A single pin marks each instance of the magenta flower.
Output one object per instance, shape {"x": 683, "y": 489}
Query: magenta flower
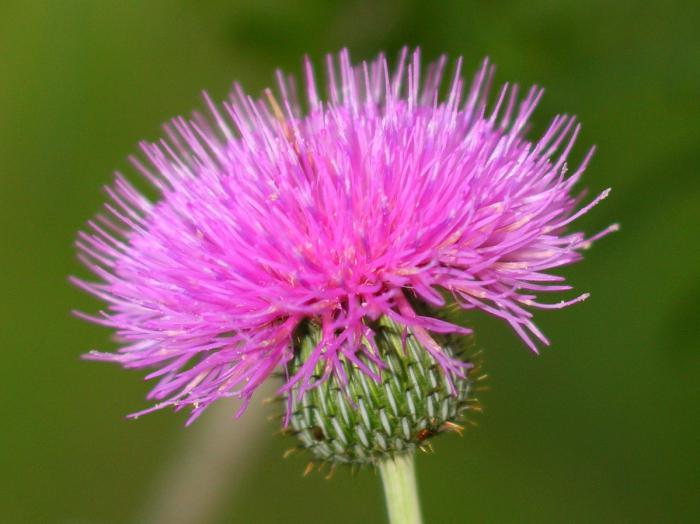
{"x": 380, "y": 197}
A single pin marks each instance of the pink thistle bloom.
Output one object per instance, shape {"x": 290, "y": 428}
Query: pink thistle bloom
{"x": 381, "y": 196}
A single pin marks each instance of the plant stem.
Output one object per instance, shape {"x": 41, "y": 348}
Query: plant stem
{"x": 399, "y": 480}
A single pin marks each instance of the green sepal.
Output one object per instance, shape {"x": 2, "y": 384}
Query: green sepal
{"x": 364, "y": 421}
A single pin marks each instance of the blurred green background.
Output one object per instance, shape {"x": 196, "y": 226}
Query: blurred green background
{"x": 602, "y": 427}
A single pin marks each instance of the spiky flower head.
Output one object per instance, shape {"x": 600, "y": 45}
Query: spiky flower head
{"x": 382, "y": 199}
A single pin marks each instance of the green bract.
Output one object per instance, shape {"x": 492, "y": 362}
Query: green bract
{"x": 363, "y": 421}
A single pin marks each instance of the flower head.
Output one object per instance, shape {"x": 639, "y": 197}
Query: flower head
{"x": 382, "y": 199}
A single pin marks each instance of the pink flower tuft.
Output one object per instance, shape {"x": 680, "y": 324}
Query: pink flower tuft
{"x": 380, "y": 196}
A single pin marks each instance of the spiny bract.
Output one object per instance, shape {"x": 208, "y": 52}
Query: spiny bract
{"x": 362, "y": 420}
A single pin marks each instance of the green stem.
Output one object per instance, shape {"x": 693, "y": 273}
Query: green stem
{"x": 399, "y": 480}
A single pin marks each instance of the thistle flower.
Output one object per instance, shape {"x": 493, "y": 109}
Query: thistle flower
{"x": 289, "y": 233}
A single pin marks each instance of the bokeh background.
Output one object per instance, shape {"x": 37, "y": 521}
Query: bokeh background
{"x": 602, "y": 427}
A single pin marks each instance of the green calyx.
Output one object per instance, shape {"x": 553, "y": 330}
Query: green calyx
{"x": 364, "y": 421}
